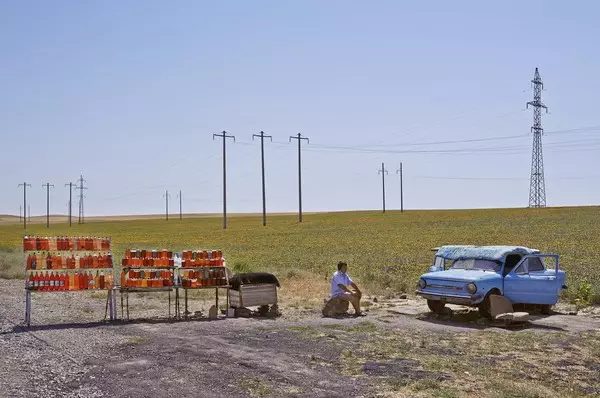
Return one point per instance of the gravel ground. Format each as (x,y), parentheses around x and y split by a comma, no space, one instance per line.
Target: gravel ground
(156,357)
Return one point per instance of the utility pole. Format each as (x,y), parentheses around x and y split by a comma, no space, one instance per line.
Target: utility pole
(399,171)
(47,185)
(383,172)
(81,196)
(537,187)
(180,213)
(70,201)
(29,212)
(224,136)
(262,162)
(20,214)
(166,196)
(25,185)
(299,138)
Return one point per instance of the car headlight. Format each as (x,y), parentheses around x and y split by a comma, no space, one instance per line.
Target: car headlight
(471,288)
(422,283)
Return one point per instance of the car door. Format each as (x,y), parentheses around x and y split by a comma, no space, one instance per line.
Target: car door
(543,285)
(517,282)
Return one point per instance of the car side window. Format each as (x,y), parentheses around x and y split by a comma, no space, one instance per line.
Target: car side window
(521,269)
(534,264)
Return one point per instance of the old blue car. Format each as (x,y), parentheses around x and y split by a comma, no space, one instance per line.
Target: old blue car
(469,275)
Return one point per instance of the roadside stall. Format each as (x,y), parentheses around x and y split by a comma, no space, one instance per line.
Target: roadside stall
(146,271)
(201,269)
(68,264)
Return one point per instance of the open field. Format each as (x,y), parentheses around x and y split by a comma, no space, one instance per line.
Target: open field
(398,350)
(384,251)
(69,352)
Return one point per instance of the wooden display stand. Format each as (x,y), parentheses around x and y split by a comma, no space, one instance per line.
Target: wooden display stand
(51,266)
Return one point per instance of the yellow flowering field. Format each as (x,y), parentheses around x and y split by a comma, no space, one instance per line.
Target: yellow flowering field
(384,251)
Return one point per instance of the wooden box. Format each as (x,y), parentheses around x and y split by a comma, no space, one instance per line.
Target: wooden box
(253,295)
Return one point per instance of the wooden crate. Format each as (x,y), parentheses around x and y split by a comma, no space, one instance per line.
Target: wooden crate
(253,295)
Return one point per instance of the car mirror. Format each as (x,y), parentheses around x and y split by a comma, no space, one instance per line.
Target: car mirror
(433,268)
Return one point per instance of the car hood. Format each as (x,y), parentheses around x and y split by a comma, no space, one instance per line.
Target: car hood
(461,275)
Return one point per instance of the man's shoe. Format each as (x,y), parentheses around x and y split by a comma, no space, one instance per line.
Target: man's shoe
(359,314)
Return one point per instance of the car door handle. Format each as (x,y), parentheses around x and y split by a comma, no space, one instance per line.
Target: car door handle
(551,278)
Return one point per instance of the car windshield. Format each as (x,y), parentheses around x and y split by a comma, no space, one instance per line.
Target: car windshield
(471,263)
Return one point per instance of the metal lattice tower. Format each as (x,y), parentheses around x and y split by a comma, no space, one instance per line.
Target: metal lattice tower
(537,187)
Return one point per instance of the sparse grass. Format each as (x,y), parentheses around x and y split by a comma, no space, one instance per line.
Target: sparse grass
(137,340)
(488,363)
(11,263)
(255,387)
(383,251)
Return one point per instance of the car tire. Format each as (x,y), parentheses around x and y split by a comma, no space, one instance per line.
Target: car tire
(546,309)
(436,306)
(485,306)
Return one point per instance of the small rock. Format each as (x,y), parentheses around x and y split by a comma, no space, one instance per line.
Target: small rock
(375,300)
(403,296)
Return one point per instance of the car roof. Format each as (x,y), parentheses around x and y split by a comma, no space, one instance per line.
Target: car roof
(494,253)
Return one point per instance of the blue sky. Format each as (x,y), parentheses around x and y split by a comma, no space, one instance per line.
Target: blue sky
(129,94)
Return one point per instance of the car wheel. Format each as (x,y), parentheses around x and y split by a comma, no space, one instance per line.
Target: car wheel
(485,308)
(546,309)
(436,306)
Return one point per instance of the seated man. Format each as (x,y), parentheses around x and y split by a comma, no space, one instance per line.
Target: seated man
(339,288)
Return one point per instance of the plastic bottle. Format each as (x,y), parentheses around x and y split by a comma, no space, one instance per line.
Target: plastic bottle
(72,285)
(101,281)
(36,281)
(97,280)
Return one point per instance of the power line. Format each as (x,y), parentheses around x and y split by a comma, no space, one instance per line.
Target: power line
(224,136)
(299,138)
(262,137)
(25,185)
(47,185)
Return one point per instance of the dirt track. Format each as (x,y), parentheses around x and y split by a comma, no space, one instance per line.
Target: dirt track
(225,358)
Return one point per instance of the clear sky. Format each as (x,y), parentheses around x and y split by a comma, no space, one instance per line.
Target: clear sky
(129,93)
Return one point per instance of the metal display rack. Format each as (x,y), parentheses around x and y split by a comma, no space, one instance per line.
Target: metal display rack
(226,286)
(125,290)
(59,248)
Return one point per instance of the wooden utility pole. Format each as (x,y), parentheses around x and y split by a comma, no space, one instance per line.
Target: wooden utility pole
(47,185)
(70,185)
(224,136)
(299,138)
(383,172)
(262,162)
(25,185)
(399,172)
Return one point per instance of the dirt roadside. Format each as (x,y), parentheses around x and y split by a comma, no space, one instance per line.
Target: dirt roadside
(299,354)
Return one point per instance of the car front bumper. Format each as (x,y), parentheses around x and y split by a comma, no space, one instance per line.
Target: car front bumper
(451,298)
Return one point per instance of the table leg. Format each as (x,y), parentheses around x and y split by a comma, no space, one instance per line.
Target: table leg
(127,298)
(27,307)
(169,304)
(217,299)
(177,315)
(114,303)
(186,304)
